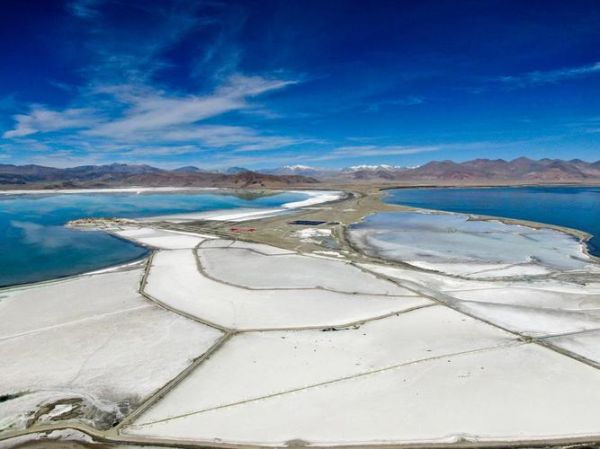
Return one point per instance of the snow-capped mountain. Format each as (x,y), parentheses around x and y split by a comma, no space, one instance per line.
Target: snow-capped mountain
(374,167)
(381,171)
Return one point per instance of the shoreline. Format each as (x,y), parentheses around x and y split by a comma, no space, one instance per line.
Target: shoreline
(487,185)
(579,234)
(315,198)
(109,268)
(225,215)
(410,265)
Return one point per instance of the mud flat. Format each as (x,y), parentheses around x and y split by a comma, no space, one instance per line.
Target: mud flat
(292,335)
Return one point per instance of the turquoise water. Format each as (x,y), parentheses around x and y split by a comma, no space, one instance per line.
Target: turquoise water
(573,207)
(36,246)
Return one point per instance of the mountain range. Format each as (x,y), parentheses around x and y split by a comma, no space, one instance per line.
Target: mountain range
(521,170)
(117,175)
(478,170)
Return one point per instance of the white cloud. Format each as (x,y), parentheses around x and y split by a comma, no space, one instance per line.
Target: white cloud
(551,76)
(120,108)
(162,150)
(249,86)
(263,143)
(141,114)
(221,136)
(376,150)
(63,159)
(41,120)
(158,112)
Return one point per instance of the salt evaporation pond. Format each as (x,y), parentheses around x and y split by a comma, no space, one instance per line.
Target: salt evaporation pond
(573,207)
(455,244)
(37,246)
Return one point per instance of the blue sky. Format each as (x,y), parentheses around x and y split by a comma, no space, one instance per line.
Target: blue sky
(324,83)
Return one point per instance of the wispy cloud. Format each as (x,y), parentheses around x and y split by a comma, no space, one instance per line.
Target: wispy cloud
(156,112)
(200,82)
(376,150)
(372,150)
(339,153)
(124,107)
(550,76)
(83,8)
(64,158)
(134,51)
(149,151)
(40,120)
(590,125)
(238,138)
(142,114)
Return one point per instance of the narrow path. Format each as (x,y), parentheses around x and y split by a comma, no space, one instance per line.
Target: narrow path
(149,402)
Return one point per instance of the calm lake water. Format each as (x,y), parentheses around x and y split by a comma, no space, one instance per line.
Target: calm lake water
(573,207)
(35,245)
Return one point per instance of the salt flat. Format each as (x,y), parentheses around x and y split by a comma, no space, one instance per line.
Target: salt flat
(496,394)
(258,247)
(422,376)
(93,350)
(528,307)
(174,279)
(533,297)
(63,301)
(448,284)
(245,268)
(314,350)
(456,244)
(160,238)
(585,344)
(259,364)
(532,321)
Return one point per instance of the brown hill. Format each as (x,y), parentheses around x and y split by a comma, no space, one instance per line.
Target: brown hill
(521,169)
(246,179)
(122,175)
(479,170)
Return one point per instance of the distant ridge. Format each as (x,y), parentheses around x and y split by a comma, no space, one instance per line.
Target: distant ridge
(236,170)
(118,175)
(485,171)
(189,169)
(521,169)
